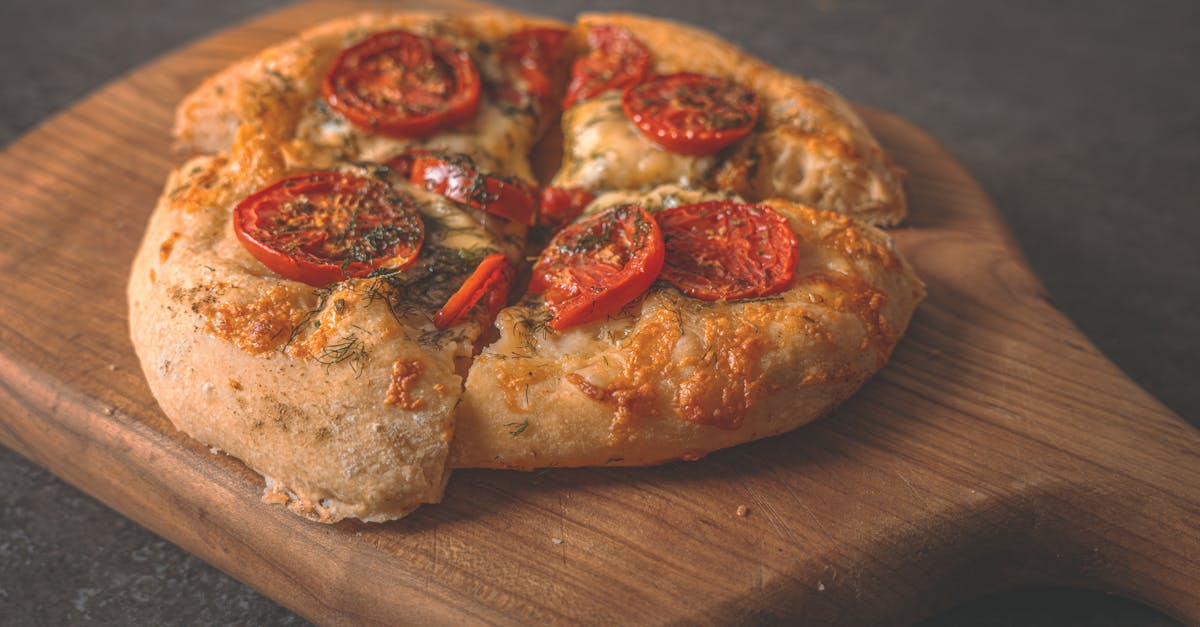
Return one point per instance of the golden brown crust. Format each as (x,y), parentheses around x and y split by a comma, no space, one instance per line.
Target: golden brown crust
(343,397)
(673,377)
(810,145)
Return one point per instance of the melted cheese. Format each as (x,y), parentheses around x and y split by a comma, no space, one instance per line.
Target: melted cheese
(602,149)
(661,197)
(498,140)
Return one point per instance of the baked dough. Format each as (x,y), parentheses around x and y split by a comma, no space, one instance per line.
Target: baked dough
(809,147)
(351,403)
(341,397)
(673,377)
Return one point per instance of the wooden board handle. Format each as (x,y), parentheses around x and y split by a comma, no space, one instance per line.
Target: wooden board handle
(1133,526)
(1096,483)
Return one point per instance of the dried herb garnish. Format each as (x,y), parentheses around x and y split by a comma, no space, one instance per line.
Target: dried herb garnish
(346,349)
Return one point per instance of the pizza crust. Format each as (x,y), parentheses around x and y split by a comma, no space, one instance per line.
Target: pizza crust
(673,377)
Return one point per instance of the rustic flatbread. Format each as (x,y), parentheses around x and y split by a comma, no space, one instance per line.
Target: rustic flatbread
(322,293)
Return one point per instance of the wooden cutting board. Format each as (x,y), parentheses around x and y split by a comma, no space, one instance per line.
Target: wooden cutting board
(998,448)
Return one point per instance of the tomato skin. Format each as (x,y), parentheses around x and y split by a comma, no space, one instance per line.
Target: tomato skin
(402,164)
(560,205)
(455,177)
(492,278)
(692,114)
(297,227)
(595,267)
(403,85)
(531,55)
(724,250)
(617,60)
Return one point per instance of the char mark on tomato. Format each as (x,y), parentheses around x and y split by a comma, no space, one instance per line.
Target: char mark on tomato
(322,227)
(617,60)
(595,267)
(724,250)
(692,114)
(403,85)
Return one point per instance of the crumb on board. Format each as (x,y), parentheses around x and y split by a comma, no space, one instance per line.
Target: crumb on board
(556,540)
(112,367)
(743,511)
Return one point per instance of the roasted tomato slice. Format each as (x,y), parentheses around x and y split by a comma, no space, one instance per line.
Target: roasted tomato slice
(595,267)
(455,177)
(692,114)
(404,85)
(616,61)
(490,281)
(324,227)
(560,205)
(530,57)
(726,250)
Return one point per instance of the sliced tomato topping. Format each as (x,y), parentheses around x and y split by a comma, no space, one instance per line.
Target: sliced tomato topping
(560,205)
(403,85)
(595,267)
(324,227)
(692,114)
(455,177)
(727,250)
(617,60)
(530,57)
(489,282)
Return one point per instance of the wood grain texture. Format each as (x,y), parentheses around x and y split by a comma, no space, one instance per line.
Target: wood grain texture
(998,448)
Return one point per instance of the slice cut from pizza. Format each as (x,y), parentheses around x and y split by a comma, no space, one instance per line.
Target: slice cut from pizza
(368,87)
(671,324)
(318,326)
(652,102)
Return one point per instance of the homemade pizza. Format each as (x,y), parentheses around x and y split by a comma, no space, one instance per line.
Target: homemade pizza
(376,268)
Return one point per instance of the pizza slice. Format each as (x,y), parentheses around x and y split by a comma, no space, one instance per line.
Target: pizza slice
(317,324)
(652,102)
(670,324)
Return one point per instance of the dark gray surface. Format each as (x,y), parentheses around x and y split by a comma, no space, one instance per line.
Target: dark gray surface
(1081,119)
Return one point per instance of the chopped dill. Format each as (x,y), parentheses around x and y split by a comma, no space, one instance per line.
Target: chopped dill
(322,296)
(529,327)
(426,285)
(347,349)
(517,427)
(438,337)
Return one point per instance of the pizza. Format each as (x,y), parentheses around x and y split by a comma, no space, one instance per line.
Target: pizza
(360,281)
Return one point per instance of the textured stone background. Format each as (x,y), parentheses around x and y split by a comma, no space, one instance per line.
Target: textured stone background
(1081,119)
